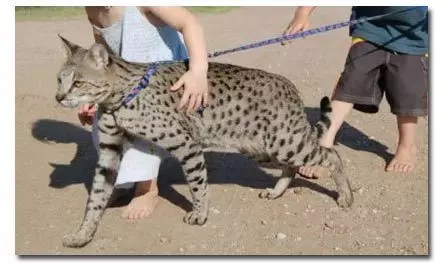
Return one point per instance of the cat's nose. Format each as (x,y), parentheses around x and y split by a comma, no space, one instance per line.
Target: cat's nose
(60,97)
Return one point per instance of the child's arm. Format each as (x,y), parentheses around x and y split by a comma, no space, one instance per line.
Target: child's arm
(195,80)
(300,21)
(93,13)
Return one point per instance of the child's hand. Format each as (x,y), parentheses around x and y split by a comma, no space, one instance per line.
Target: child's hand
(86,113)
(196,90)
(299,22)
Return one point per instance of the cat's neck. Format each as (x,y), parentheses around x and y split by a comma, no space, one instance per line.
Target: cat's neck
(127,76)
(127,70)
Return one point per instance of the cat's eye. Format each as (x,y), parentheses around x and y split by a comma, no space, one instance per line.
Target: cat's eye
(78,83)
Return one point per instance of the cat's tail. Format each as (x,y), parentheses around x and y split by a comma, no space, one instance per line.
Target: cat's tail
(325,117)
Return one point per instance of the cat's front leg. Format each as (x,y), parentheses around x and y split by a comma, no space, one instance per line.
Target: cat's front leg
(110,151)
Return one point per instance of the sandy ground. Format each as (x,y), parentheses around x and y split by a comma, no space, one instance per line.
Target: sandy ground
(55,159)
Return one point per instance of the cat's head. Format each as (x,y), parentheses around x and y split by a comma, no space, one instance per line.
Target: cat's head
(85,77)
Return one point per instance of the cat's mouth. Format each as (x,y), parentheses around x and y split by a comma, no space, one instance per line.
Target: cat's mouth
(69,103)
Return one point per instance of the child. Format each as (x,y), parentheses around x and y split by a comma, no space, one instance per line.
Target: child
(147,34)
(387,55)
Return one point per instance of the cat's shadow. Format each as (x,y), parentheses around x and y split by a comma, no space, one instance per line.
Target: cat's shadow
(223,168)
(81,168)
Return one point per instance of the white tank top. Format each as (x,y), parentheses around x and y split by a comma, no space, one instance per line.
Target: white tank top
(135,39)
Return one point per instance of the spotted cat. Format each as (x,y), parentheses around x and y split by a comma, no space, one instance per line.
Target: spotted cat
(258,113)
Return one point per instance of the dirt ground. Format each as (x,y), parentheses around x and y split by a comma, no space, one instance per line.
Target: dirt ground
(55,160)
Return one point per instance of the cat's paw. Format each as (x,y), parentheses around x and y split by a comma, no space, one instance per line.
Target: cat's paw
(195,218)
(345,200)
(268,193)
(76,240)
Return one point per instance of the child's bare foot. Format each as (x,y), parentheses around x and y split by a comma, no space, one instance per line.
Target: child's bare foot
(317,171)
(141,206)
(404,160)
(144,202)
(405,157)
(311,171)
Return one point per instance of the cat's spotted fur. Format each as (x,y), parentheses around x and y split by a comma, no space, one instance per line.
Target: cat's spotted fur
(258,113)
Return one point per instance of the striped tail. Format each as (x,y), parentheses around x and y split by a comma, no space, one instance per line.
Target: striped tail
(325,117)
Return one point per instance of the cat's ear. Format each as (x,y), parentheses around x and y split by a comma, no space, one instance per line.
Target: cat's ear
(99,56)
(70,48)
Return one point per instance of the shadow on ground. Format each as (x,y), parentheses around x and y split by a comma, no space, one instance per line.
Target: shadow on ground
(223,168)
(353,138)
(81,168)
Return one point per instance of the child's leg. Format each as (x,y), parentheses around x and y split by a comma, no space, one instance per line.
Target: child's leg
(406,92)
(140,167)
(405,155)
(340,110)
(358,84)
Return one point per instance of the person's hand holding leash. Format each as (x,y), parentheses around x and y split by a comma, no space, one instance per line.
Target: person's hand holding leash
(299,22)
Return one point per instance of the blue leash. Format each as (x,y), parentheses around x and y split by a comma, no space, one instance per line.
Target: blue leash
(307,32)
(144,82)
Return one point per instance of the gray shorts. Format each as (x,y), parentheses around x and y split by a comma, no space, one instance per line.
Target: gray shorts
(370,71)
